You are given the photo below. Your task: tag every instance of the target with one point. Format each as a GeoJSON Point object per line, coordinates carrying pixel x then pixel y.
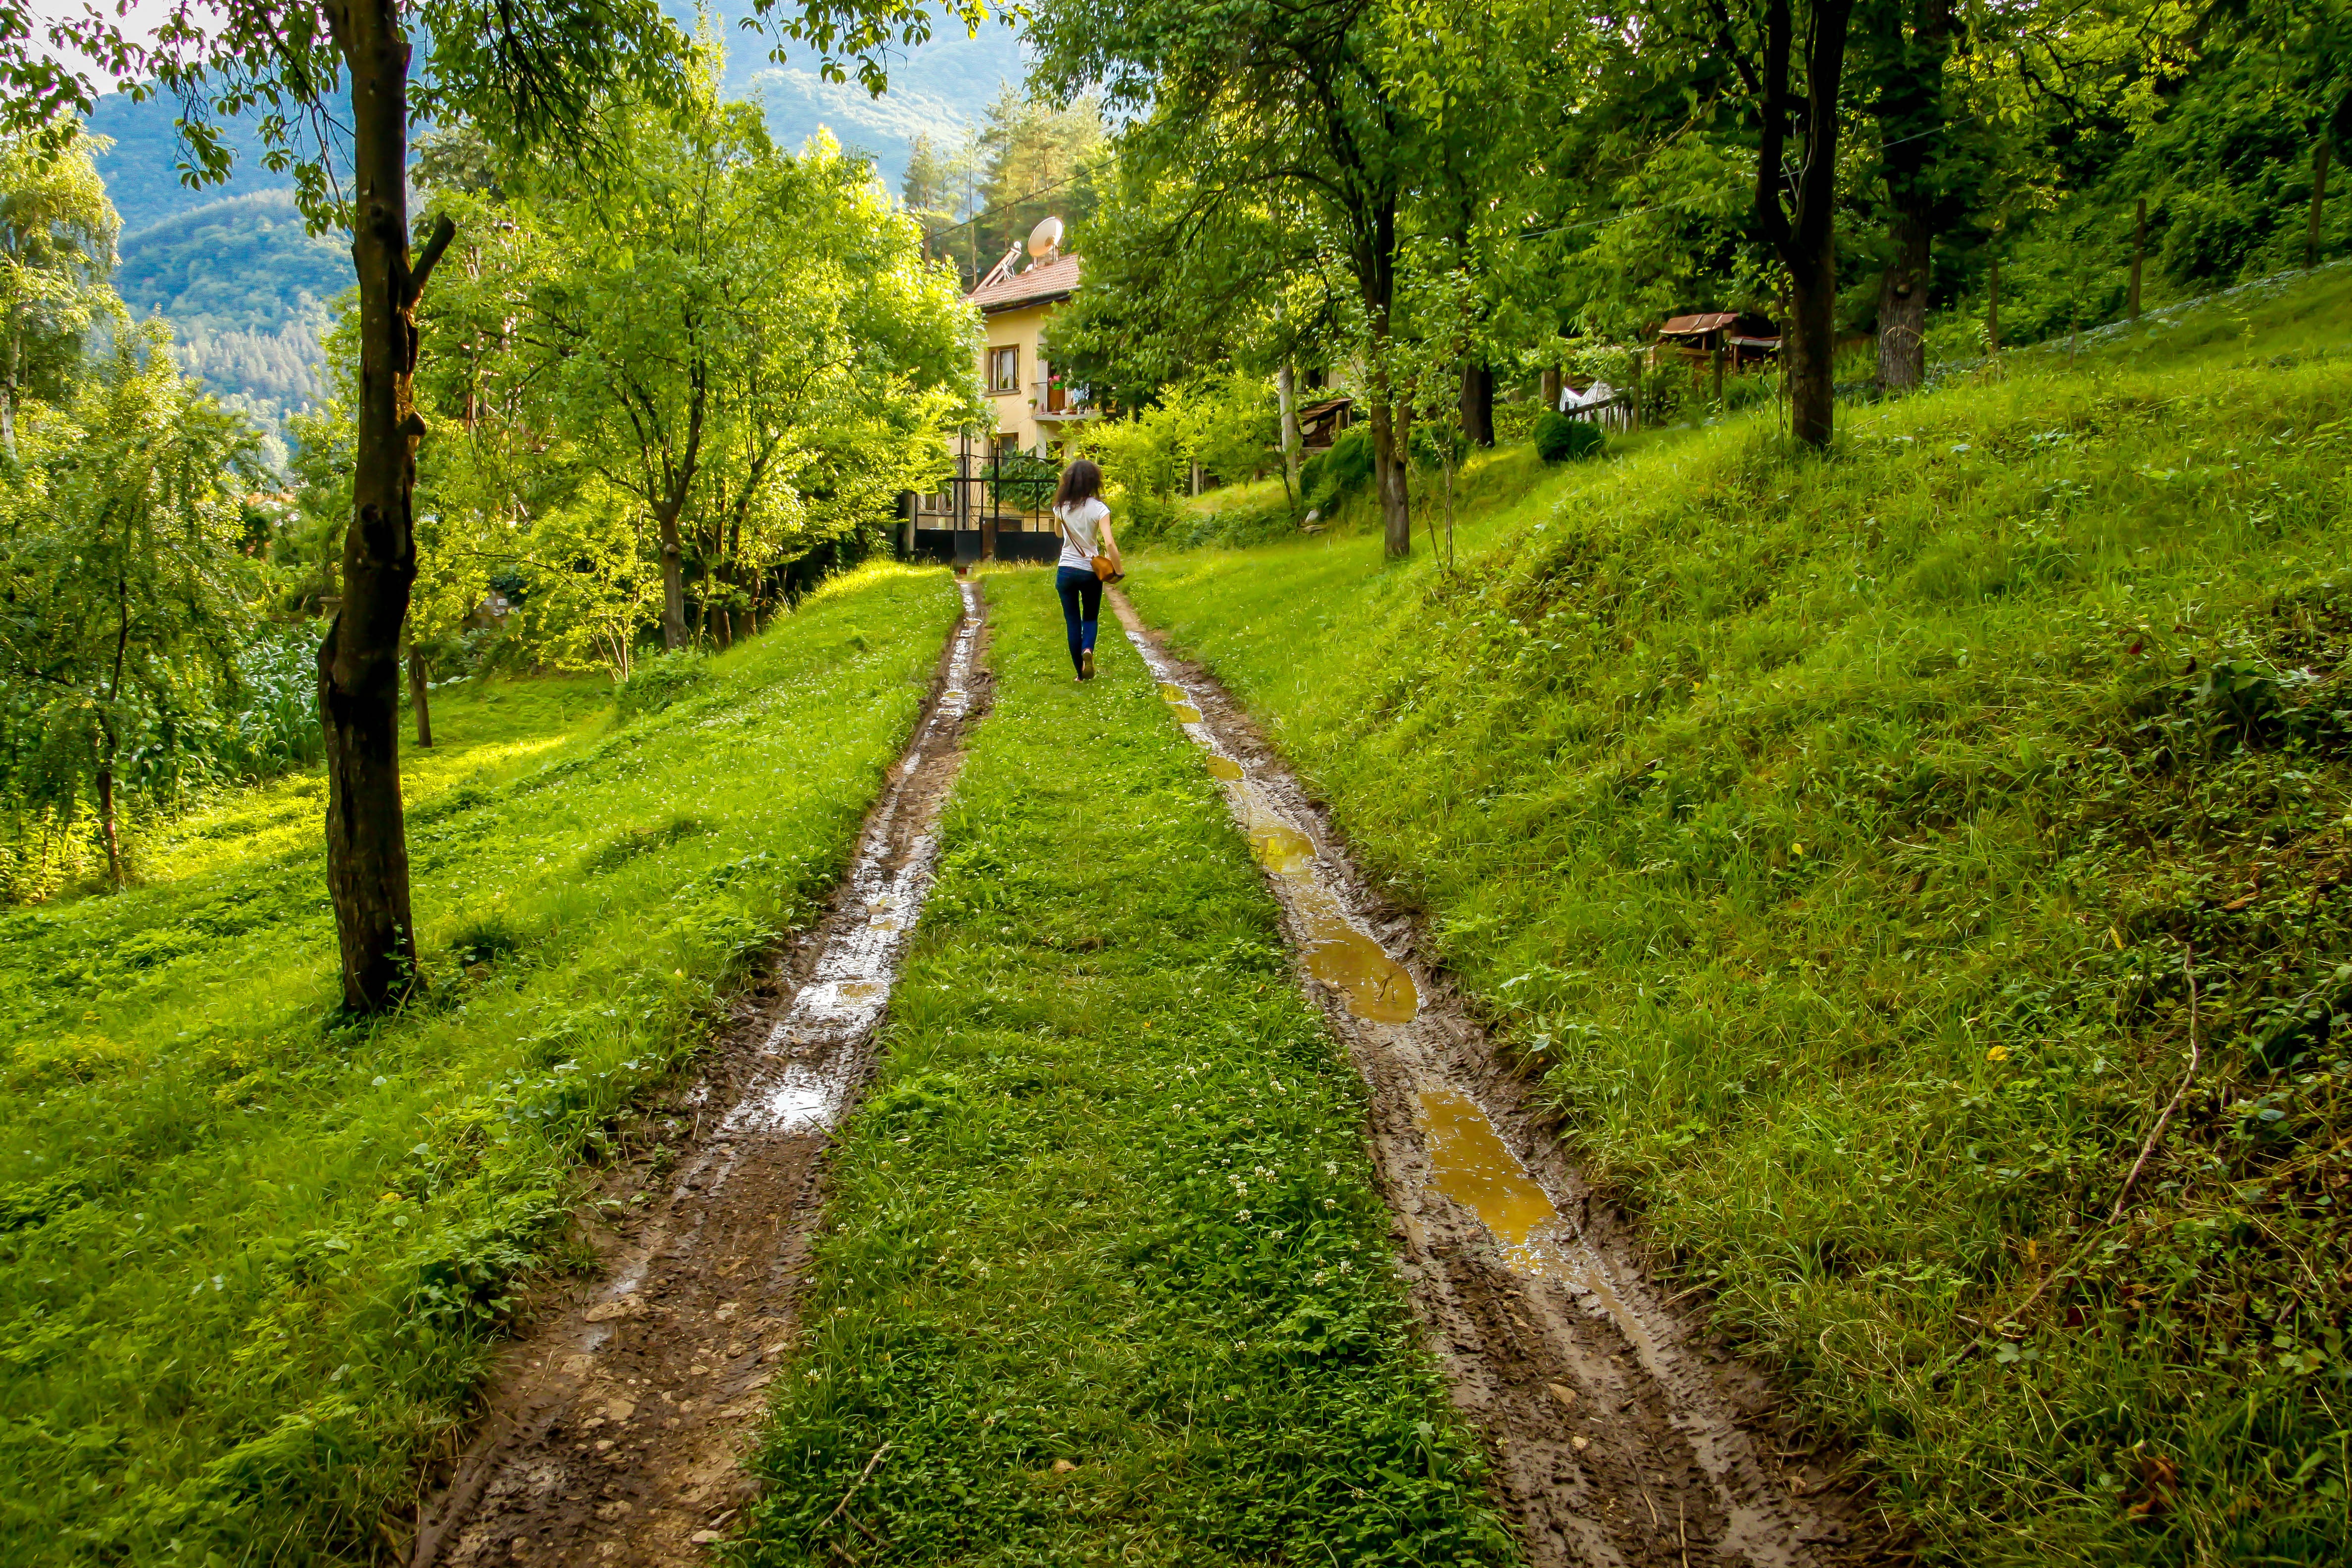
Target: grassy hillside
{"type": "Point", "coordinates": [1839, 838]}
{"type": "Point", "coordinates": [1105, 1267]}
{"type": "Point", "coordinates": [250, 1257]}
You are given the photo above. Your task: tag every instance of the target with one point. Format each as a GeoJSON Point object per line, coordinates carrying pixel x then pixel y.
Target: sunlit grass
{"type": "Point", "coordinates": [1829, 833]}
{"type": "Point", "coordinates": [251, 1258]}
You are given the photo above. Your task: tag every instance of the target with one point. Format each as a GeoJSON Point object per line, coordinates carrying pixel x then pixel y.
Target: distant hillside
{"type": "Point", "coordinates": [141, 170]}
{"type": "Point", "coordinates": [936, 89]}
{"type": "Point", "coordinates": [247, 291]}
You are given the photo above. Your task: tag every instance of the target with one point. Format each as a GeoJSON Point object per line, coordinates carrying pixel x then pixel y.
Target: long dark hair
{"type": "Point", "coordinates": [1081, 482]}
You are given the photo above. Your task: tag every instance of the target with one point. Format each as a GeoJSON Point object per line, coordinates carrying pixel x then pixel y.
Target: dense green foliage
{"type": "Point", "coordinates": [661, 384]}
{"type": "Point", "coordinates": [1106, 1203]}
{"type": "Point", "coordinates": [126, 591]}
{"type": "Point", "coordinates": [252, 1258]}
{"type": "Point", "coordinates": [56, 250]}
{"type": "Point", "coordinates": [1837, 840]}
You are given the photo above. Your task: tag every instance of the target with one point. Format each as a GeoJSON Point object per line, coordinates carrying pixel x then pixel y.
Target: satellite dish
{"type": "Point", "coordinates": [1045, 238]}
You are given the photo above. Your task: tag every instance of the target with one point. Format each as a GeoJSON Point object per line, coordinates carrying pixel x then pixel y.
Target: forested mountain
{"type": "Point", "coordinates": [247, 291]}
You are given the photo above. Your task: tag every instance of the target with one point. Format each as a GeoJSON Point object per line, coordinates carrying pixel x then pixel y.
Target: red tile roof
{"type": "Point", "coordinates": [1045, 282]}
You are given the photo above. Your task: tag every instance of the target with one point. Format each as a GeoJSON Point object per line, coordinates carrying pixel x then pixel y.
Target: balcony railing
{"type": "Point", "coordinates": [1055, 400]}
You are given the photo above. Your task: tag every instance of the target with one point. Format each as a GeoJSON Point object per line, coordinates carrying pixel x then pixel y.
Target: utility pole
{"type": "Point", "coordinates": [2139, 250]}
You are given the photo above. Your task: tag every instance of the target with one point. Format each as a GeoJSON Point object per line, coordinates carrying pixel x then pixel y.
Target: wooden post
{"type": "Point", "coordinates": [2139, 251]}
{"type": "Point", "coordinates": [1714, 359]}
{"type": "Point", "coordinates": [1992, 308]}
{"type": "Point", "coordinates": [2318, 194]}
{"type": "Point", "coordinates": [1547, 387]}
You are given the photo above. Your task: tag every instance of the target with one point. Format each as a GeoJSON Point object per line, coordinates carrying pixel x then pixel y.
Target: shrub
{"type": "Point", "coordinates": [1560, 439]}
{"type": "Point", "coordinates": [1431, 446]}
{"type": "Point", "coordinates": [1515, 421]}
{"type": "Point", "coordinates": [1337, 472]}
{"type": "Point", "coordinates": [658, 682]}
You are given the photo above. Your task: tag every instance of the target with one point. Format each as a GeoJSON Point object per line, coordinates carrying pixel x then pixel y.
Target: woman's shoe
{"type": "Point", "coordinates": [1086, 664]}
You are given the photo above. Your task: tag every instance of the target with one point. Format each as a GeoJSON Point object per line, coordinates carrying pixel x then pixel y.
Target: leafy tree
{"type": "Point", "coordinates": [533, 72]}
{"type": "Point", "coordinates": [1266, 101]}
{"type": "Point", "coordinates": [57, 249]}
{"type": "Point", "coordinates": [746, 346]}
{"type": "Point", "coordinates": [121, 573]}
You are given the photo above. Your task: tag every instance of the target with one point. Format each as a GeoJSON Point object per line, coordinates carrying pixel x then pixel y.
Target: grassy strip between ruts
{"type": "Point", "coordinates": [1105, 1268]}
{"type": "Point", "coordinates": [1830, 835]}
{"type": "Point", "coordinates": [250, 1262]}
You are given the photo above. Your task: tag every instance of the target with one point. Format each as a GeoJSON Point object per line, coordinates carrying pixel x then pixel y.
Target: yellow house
{"type": "Point", "coordinates": [1034, 411]}
{"type": "Point", "coordinates": [990, 509]}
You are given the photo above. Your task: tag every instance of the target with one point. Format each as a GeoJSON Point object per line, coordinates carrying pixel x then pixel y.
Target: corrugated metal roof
{"type": "Point", "coordinates": [1708, 321]}
{"type": "Point", "coordinates": [1052, 279]}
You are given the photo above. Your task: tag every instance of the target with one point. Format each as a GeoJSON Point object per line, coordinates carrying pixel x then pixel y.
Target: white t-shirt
{"type": "Point", "coordinates": [1080, 542]}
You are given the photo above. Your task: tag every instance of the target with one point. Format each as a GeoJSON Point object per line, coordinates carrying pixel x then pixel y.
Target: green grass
{"type": "Point", "coordinates": [1107, 1204]}
{"type": "Point", "coordinates": [251, 1262]}
{"type": "Point", "coordinates": [1829, 834]}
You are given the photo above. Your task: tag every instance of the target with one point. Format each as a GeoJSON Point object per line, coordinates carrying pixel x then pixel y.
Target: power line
{"type": "Point", "coordinates": [1007, 206]}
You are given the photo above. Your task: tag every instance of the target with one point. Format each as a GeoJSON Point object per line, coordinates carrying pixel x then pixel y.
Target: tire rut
{"type": "Point", "coordinates": [1622, 1435]}
{"type": "Point", "coordinates": [616, 1429]}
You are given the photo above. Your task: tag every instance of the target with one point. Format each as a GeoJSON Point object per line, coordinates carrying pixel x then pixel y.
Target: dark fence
{"type": "Point", "coordinates": [963, 546]}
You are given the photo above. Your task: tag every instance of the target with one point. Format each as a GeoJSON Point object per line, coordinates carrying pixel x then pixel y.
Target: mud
{"type": "Point", "coordinates": [618, 1426]}
{"type": "Point", "coordinates": [1620, 1431]}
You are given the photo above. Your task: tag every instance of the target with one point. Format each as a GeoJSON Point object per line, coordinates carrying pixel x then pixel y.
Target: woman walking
{"type": "Point", "coordinates": [1089, 557]}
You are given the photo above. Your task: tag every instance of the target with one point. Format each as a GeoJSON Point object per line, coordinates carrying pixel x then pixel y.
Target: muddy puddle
{"type": "Point", "coordinates": [616, 1428]}
{"type": "Point", "coordinates": [1621, 1435]}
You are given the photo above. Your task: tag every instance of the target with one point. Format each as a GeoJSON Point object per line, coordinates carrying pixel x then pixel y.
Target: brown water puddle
{"type": "Point", "coordinates": [1377, 987]}
{"type": "Point", "coordinates": [1469, 1164]}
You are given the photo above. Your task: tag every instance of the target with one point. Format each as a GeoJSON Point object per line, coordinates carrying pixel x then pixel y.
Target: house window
{"type": "Point", "coordinates": [1005, 445]}
{"type": "Point", "coordinates": [1005, 369]}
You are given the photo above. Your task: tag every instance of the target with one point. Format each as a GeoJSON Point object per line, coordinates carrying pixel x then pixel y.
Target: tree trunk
{"type": "Point", "coordinates": [1477, 403]}
{"type": "Point", "coordinates": [1286, 391]}
{"type": "Point", "coordinates": [358, 662]}
{"type": "Point", "coordinates": [8, 394]}
{"type": "Point", "coordinates": [2139, 253]}
{"type": "Point", "coordinates": [673, 560]}
{"type": "Point", "coordinates": [1548, 388]}
{"type": "Point", "coordinates": [1992, 308]}
{"type": "Point", "coordinates": [1903, 306]}
{"type": "Point", "coordinates": [417, 705]}
{"type": "Point", "coordinates": [1813, 383]}
{"type": "Point", "coordinates": [1388, 482]}
{"type": "Point", "coordinates": [106, 824]}
{"type": "Point", "coordinates": [1910, 113]}
{"type": "Point", "coordinates": [1806, 238]}
{"type": "Point", "coordinates": [2310, 237]}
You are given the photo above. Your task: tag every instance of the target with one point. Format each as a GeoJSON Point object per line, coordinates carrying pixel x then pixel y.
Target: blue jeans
{"type": "Point", "coordinates": [1079, 588]}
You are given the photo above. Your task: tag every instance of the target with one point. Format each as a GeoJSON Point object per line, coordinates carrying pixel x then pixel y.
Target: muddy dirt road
{"type": "Point", "coordinates": [1619, 1436]}
{"type": "Point", "coordinates": [618, 1427]}
{"type": "Point", "coordinates": [1622, 1438]}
